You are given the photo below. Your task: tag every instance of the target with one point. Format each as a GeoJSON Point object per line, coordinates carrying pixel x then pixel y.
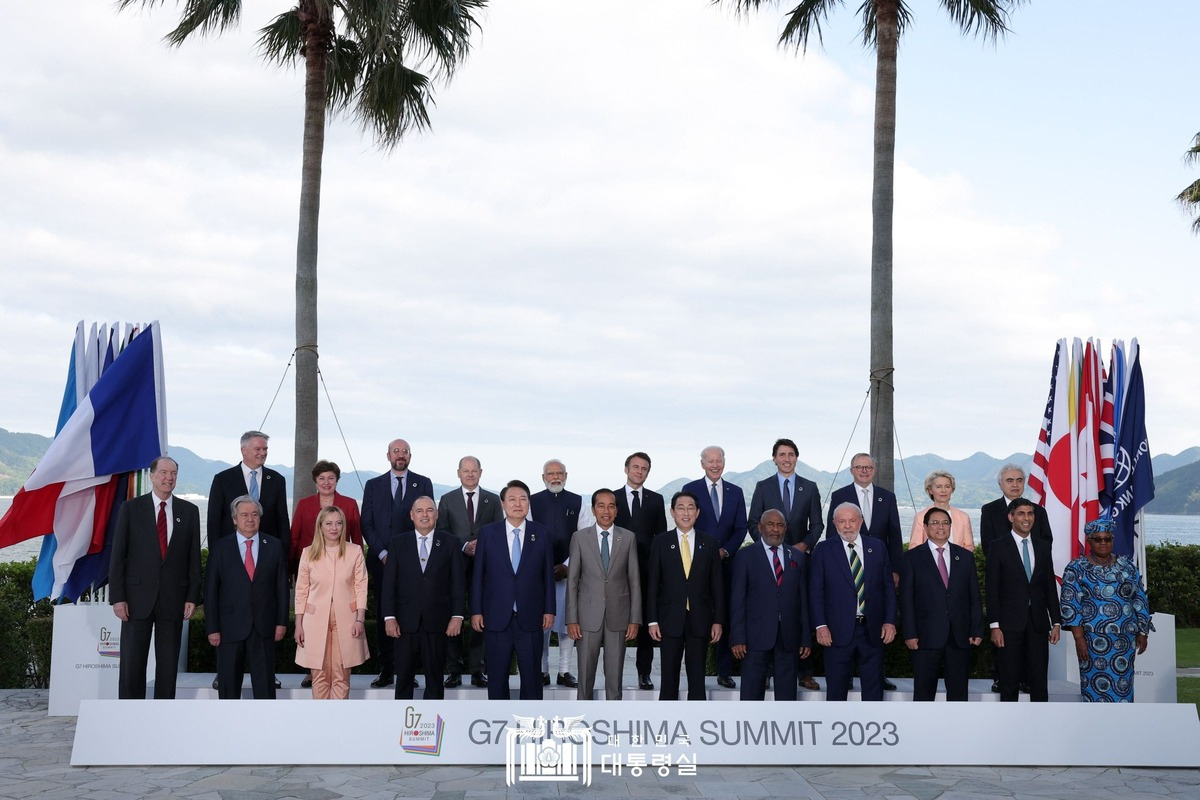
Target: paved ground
{"type": "Point", "coordinates": [35, 752]}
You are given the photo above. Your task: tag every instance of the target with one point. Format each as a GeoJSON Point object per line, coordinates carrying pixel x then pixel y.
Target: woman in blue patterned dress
{"type": "Point", "coordinates": [1105, 606]}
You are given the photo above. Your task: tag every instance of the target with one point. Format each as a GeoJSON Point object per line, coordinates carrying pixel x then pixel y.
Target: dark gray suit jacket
{"type": "Point", "coordinates": [452, 513]}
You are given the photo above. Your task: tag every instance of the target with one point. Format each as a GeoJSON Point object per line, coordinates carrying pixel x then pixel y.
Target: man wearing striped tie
{"type": "Point", "coordinates": [853, 605]}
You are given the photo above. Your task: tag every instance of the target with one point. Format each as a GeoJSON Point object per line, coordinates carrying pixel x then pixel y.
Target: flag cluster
{"type": "Point", "coordinates": [1093, 457]}
{"type": "Point", "coordinates": [111, 425]}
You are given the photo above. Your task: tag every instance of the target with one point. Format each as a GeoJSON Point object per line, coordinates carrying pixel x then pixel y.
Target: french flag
{"type": "Point", "coordinates": [119, 426]}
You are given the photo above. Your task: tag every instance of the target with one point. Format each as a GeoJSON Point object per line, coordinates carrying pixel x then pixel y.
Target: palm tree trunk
{"type": "Point", "coordinates": [882, 369]}
{"type": "Point", "coordinates": [318, 29]}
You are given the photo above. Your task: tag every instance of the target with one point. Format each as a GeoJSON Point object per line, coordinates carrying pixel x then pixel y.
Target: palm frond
{"type": "Point", "coordinates": [1189, 199]}
{"type": "Point", "coordinates": [986, 18]}
{"type": "Point", "coordinates": [205, 17]}
{"type": "Point", "coordinates": [345, 66]}
{"type": "Point", "coordinates": [1193, 155]}
{"type": "Point", "coordinates": [439, 32]}
{"type": "Point", "coordinates": [805, 20]}
{"type": "Point", "coordinates": [392, 99]}
{"type": "Point", "coordinates": [281, 40]}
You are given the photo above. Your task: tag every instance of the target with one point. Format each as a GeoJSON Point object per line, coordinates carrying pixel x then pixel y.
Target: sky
{"type": "Point", "coordinates": [632, 226]}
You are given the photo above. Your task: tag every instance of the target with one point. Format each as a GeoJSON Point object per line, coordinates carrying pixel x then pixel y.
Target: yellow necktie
{"type": "Point", "coordinates": [685, 552]}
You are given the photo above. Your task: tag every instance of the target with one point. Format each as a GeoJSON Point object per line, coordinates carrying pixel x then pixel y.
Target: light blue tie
{"type": "Point", "coordinates": [1025, 558]}
{"type": "Point", "coordinates": [515, 553]}
{"type": "Point", "coordinates": [424, 551]}
{"type": "Point", "coordinates": [254, 485]}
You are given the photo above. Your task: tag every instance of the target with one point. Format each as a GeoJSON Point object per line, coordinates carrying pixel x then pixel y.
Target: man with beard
{"type": "Point", "coordinates": [563, 512]}
{"type": "Point", "coordinates": [386, 511]}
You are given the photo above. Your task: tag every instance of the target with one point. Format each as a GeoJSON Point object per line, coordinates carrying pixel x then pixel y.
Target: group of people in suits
{"type": "Point", "coordinates": [465, 585]}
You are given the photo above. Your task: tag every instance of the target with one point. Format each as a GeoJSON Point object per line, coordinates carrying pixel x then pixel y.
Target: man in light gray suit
{"type": "Point", "coordinates": [604, 596]}
{"type": "Point", "coordinates": [462, 513]}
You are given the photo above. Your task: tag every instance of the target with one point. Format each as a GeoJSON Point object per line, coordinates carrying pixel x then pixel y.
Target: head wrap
{"type": "Point", "coordinates": [1101, 525]}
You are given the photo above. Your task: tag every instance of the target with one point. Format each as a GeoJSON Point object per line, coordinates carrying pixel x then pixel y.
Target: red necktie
{"type": "Point", "coordinates": [778, 566]}
{"type": "Point", "coordinates": [162, 527]}
{"type": "Point", "coordinates": [249, 559]}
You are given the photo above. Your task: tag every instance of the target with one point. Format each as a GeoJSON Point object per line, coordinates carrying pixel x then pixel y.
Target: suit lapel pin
{"type": "Point", "coordinates": [533, 537]}
{"type": "Point", "coordinates": [672, 547]}
{"type": "Point", "coordinates": [437, 542]}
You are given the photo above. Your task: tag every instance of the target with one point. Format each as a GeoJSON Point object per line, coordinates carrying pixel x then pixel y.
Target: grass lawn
{"type": "Point", "coordinates": [1189, 690]}
{"type": "Point", "coordinates": [1187, 647]}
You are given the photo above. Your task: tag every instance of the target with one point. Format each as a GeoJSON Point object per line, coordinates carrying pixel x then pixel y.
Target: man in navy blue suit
{"type": "Point", "coordinates": [798, 499]}
{"type": "Point", "coordinates": [853, 605]}
{"type": "Point", "coordinates": [800, 502]}
{"type": "Point", "coordinates": [722, 507]}
{"type": "Point", "coordinates": [512, 594]}
{"type": "Point", "coordinates": [246, 603]}
{"type": "Point", "coordinates": [386, 511]}
{"type": "Point", "coordinates": [881, 517]}
{"type": "Point", "coordinates": [769, 611]}
{"type": "Point", "coordinates": [644, 512]}
{"type": "Point", "coordinates": [941, 611]}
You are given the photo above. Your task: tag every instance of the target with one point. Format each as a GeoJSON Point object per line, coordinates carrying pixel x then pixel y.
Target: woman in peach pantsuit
{"type": "Point", "coordinates": [331, 604]}
{"type": "Point", "coordinates": [940, 486]}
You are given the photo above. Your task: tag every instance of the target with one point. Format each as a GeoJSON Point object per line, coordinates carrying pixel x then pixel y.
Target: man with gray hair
{"type": "Point", "coordinates": [246, 602]}
{"type": "Point", "coordinates": [262, 484]}
{"type": "Point", "coordinates": [993, 516]}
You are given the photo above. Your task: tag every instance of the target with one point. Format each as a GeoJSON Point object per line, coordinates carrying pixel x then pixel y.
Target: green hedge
{"type": "Point", "coordinates": [26, 626]}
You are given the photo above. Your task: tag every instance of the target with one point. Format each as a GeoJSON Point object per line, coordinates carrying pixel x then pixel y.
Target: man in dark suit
{"type": "Point", "coordinates": [769, 611]}
{"type": "Point", "coordinates": [387, 501]}
{"type": "Point", "coordinates": [881, 516]}
{"type": "Point", "coordinates": [643, 512]}
{"type": "Point", "coordinates": [154, 581]}
{"type": "Point", "coordinates": [266, 486]}
{"type": "Point", "coordinates": [853, 605]}
{"type": "Point", "coordinates": [941, 611]}
{"type": "Point", "coordinates": [563, 512]}
{"type": "Point", "coordinates": [462, 513]}
{"type": "Point", "coordinates": [1022, 605]}
{"type": "Point", "coordinates": [604, 596]}
{"type": "Point", "coordinates": [512, 594]}
{"type": "Point", "coordinates": [722, 515]}
{"type": "Point", "coordinates": [993, 516]}
{"type": "Point", "coordinates": [800, 502]}
{"type": "Point", "coordinates": [423, 593]}
{"type": "Point", "coordinates": [246, 602]}
{"type": "Point", "coordinates": [687, 599]}
{"type": "Point", "coordinates": [994, 524]}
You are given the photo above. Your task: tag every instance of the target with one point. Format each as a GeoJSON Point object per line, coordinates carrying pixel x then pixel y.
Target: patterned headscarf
{"type": "Point", "coordinates": [1101, 525]}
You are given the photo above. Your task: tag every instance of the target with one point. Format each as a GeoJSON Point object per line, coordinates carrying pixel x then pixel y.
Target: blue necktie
{"type": "Point", "coordinates": [604, 552]}
{"type": "Point", "coordinates": [787, 498]}
{"type": "Point", "coordinates": [254, 485]}
{"type": "Point", "coordinates": [515, 552]}
{"type": "Point", "coordinates": [1025, 559]}
{"type": "Point", "coordinates": [716, 501]}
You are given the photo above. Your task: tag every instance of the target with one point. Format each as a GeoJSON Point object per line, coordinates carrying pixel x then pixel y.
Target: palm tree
{"type": "Point", "coordinates": [883, 21]}
{"type": "Point", "coordinates": [361, 58]}
{"type": "Point", "coordinates": [1189, 198]}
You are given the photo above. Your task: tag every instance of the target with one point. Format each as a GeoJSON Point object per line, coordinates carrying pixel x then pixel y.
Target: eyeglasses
{"type": "Point", "coordinates": [864, 468]}
{"type": "Point", "coordinates": [938, 523]}
{"type": "Point", "coordinates": [1101, 539]}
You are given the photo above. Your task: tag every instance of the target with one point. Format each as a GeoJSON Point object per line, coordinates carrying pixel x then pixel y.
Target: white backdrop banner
{"type": "Point", "coordinates": [554, 740]}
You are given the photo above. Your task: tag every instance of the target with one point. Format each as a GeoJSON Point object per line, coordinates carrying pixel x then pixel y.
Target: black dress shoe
{"type": "Point", "coordinates": [216, 686]}
{"type": "Point", "coordinates": [545, 679]}
{"type": "Point", "coordinates": [807, 682]}
{"type": "Point", "coordinates": [891, 687]}
{"type": "Point", "coordinates": [382, 682]}
{"type": "Point", "coordinates": [278, 685]}
{"type": "Point", "coordinates": [1024, 688]}
{"type": "Point", "coordinates": [726, 682]}
{"type": "Point", "coordinates": [996, 687]}
{"type": "Point", "coordinates": [415, 684]}
{"type": "Point", "coordinates": [307, 682]}
{"type": "Point", "coordinates": [568, 680]}
{"type": "Point", "coordinates": [479, 680]}
{"type": "Point", "coordinates": [644, 682]}
{"type": "Point", "coordinates": [454, 681]}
